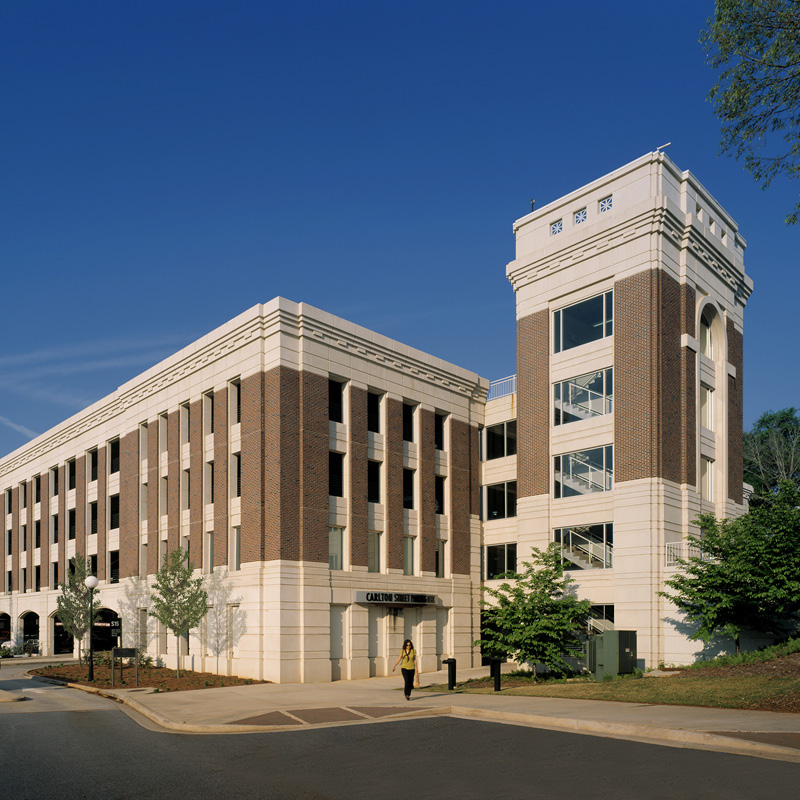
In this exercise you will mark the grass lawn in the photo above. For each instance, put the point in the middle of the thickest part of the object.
(769, 685)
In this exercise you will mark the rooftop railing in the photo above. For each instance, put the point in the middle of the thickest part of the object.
(502, 387)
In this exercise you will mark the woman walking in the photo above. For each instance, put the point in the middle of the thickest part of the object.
(410, 665)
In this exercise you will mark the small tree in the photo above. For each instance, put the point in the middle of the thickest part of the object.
(226, 623)
(748, 575)
(179, 601)
(73, 602)
(535, 618)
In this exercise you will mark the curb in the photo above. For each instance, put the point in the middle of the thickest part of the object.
(648, 734)
(10, 697)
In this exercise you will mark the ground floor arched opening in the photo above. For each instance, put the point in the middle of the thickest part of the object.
(30, 628)
(101, 630)
(63, 641)
(5, 629)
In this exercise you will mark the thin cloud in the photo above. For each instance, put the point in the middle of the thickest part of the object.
(18, 428)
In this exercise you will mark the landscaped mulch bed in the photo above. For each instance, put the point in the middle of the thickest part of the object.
(159, 678)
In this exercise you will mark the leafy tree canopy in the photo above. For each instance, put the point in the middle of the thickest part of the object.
(772, 451)
(178, 600)
(756, 45)
(535, 618)
(72, 605)
(748, 574)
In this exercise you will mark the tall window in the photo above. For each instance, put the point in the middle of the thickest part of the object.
(37, 489)
(235, 401)
(706, 333)
(706, 407)
(113, 511)
(438, 493)
(93, 517)
(335, 548)
(374, 551)
(373, 481)
(408, 555)
(236, 547)
(335, 401)
(186, 426)
(583, 322)
(37, 533)
(500, 558)
(587, 396)
(439, 558)
(208, 413)
(706, 478)
(113, 455)
(335, 474)
(373, 412)
(54, 482)
(408, 422)
(438, 431)
(501, 500)
(93, 465)
(586, 546)
(584, 472)
(71, 524)
(23, 495)
(501, 440)
(237, 474)
(113, 566)
(408, 488)
(72, 472)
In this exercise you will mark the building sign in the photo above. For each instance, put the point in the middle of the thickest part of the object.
(395, 598)
(116, 627)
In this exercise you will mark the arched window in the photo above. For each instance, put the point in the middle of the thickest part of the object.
(706, 332)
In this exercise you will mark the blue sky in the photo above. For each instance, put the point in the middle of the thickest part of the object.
(166, 165)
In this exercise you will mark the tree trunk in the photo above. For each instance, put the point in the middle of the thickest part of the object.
(736, 643)
(178, 654)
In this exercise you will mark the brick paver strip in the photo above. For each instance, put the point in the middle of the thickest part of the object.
(781, 739)
(385, 711)
(312, 715)
(271, 718)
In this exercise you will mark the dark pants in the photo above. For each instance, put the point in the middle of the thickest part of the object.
(408, 677)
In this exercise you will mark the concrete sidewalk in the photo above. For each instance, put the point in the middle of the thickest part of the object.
(281, 707)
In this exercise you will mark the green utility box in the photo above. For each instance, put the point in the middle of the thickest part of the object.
(612, 653)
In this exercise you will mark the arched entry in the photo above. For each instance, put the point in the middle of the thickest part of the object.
(30, 627)
(5, 628)
(101, 630)
(63, 641)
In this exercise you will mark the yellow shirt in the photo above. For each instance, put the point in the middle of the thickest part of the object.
(409, 660)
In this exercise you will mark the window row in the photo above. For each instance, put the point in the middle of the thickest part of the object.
(336, 483)
(56, 578)
(336, 395)
(375, 555)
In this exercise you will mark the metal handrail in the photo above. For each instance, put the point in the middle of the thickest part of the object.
(502, 387)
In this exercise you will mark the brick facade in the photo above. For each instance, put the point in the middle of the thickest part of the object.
(649, 378)
(153, 492)
(44, 512)
(427, 491)
(688, 390)
(462, 490)
(196, 470)
(358, 477)
(173, 481)
(395, 526)
(533, 409)
(80, 505)
(129, 524)
(221, 457)
(102, 510)
(253, 472)
(314, 439)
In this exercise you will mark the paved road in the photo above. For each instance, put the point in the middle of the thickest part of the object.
(66, 744)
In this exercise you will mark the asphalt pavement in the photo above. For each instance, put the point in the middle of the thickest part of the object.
(279, 708)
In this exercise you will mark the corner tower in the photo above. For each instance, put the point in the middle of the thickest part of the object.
(630, 300)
